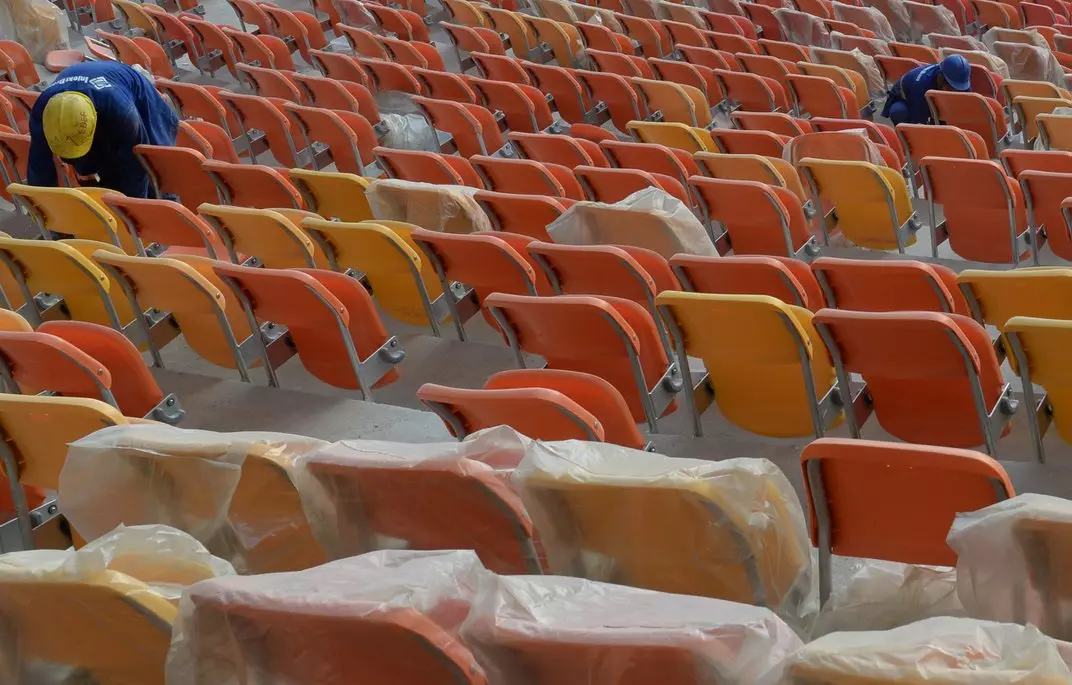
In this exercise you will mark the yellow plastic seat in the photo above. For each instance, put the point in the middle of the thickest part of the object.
(678, 102)
(262, 233)
(1055, 131)
(994, 297)
(673, 135)
(1029, 108)
(72, 212)
(208, 314)
(116, 629)
(682, 529)
(841, 77)
(522, 38)
(404, 283)
(872, 202)
(564, 39)
(333, 195)
(1044, 345)
(770, 170)
(754, 361)
(65, 268)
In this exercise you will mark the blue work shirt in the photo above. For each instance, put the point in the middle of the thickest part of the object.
(129, 112)
(912, 90)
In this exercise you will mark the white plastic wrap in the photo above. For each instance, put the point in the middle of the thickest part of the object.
(384, 617)
(925, 19)
(856, 61)
(803, 28)
(981, 57)
(897, 14)
(650, 218)
(726, 7)
(548, 629)
(942, 651)
(38, 25)
(881, 595)
(729, 529)
(1030, 63)
(867, 18)
(231, 491)
(841, 42)
(941, 40)
(450, 209)
(364, 495)
(101, 614)
(1013, 560)
(998, 34)
(851, 145)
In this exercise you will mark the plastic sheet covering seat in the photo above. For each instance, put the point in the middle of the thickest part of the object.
(364, 495)
(231, 491)
(1030, 62)
(101, 614)
(846, 146)
(867, 18)
(384, 618)
(567, 631)
(449, 209)
(1010, 561)
(950, 651)
(731, 529)
(982, 58)
(803, 28)
(649, 218)
(924, 19)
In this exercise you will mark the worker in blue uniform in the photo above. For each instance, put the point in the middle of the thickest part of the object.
(91, 117)
(906, 101)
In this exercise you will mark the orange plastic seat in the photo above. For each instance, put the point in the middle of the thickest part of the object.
(789, 280)
(761, 143)
(758, 218)
(502, 68)
(474, 39)
(971, 112)
(216, 141)
(527, 177)
(348, 136)
(427, 167)
(627, 65)
(880, 134)
(1018, 161)
(525, 108)
(14, 158)
(527, 215)
(1045, 192)
(778, 123)
(179, 172)
(985, 214)
(252, 185)
(558, 149)
(263, 49)
(571, 98)
(415, 54)
(18, 63)
(925, 398)
(751, 92)
(364, 43)
(403, 23)
(473, 127)
(165, 223)
(784, 50)
(331, 320)
(544, 404)
(921, 140)
(266, 115)
(611, 338)
(488, 262)
(199, 102)
(339, 66)
(819, 96)
(855, 491)
(893, 68)
(610, 185)
(651, 157)
(651, 34)
(391, 76)
(271, 83)
(617, 93)
(326, 93)
(708, 57)
(870, 285)
(600, 37)
(445, 85)
(696, 76)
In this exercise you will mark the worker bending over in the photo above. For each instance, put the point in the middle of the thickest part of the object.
(906, 101)
(91, 117)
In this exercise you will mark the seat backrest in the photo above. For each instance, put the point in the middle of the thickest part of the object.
(528, 215)
(164, 222)
(924, 399)
(526, 177)
(1043, 342)
(786, 279)
(737, 142)
(769, 340)
(178, 171)
(473, 127)
(921, 140)
(605, 270)
(997, 296)
(253, 185)
(1045, 193)
(333, 195)
(889, 286)
(487, 262)
(555, 149)
(970, 111)
(610, 185)
(348, 135)
(1018, 161)
(774, 222)
(69, 211)
(262, 233)
(856, 490)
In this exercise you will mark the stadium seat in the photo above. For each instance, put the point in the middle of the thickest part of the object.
(330, 319)
(179, 172)
(778, 123)
(894, 68)
(972, 112)
(70, 211)
(543, 404)
(252, 185)
(473, 127)
(617, 93)
(524, 176)
(348, 137)
(1028, 109)
(339, 66)
(211, 318)
(843, 478)
(674, 136)
(1037, 346)
(558, 149)
(657, 159)
(1054, 133)
(678, 103)
(736, 142)
(953, 396)
(786, 279)
(1018, 161)
(889, 286)
(525, 107)
(769, 377)
(527, 215)
(610, 185)
(921, 140)
(751, 92)
(427, 167)
(165, 223)
(990, 225)
(268, 235)
(994, 297)
(871, 203)
(333, 195)
(818, 96)
(773, 171)
(1045, 192)
(612, 338)
(757, 218)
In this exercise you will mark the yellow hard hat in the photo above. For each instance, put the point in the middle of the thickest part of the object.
(70, 121)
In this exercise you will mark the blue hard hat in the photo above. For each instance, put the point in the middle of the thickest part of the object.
(957, 72)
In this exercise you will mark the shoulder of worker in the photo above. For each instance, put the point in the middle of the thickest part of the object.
(921, 78)
(108, 84)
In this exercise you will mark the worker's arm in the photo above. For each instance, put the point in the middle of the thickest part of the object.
(121, 170)
(41, 167)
